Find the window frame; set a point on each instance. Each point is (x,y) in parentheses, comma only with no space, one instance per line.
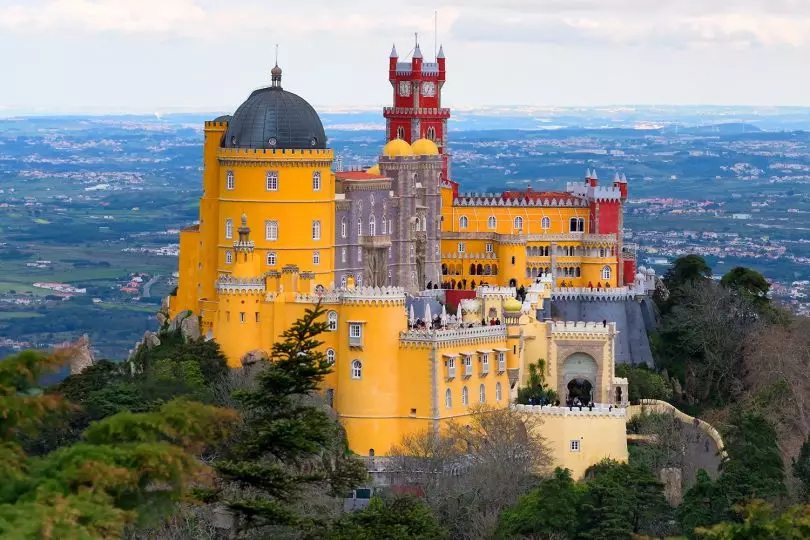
(518,223)
(463,222)
(228,256)
(228,229)
(316,229)
(271,258)
(316,181)
(230,181)
(316,257)
(331,356)
(271,181)
(271,230)
(356,369)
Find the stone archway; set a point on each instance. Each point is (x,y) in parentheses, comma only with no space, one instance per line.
(580,374)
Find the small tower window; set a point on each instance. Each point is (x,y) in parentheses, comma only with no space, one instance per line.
(448,399)
(606,272)
(228,229)
(229,257)
(461,247)
(357,369)
(518,223)
(271,258)
(573,226)
(401,132)
(465,396)
(272,181)
(431,133)
(372,225)
(316,230)
(271,230)
(482,394)
(316,180)
(463,222)
(492,222)
(384,227)
(359,227)
(242,317)
(344,229)
(344,255)
(316,258)
(330,356)
(333,321)
(545,223)
(498,392)
(360,255)
(230,183)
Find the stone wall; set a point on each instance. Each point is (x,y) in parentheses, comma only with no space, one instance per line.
(631,317)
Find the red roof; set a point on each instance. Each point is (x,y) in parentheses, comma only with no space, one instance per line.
(359,175)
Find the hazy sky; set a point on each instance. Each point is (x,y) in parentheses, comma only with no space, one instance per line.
(206,55)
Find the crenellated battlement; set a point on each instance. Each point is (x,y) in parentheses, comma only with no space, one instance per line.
(563,201)
(581,326)
(607,295)
(231,285)
(600,409)
(357,295)
(594,193)
(322,155)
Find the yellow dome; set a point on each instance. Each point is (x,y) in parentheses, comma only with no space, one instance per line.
(397,147)
(512,304)
(374,169)
(425,147)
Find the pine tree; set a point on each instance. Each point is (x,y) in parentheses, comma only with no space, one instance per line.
(287,436)
(801,470)
(703,504)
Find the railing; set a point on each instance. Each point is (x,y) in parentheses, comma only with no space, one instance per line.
(356,341)
(476,332)
(599,409)
(581,326)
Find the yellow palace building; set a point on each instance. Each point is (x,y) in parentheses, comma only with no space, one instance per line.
(388,251)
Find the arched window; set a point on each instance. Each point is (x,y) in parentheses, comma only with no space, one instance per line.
(372,225)
(343,227)
(498,392)
(465,396)
(229,182)
(518,222)
(492,222)
(431,133)
(316,230)
(229,257)
(357,369)
(448,399)
(482,394)
(545,223)
(330,356)
(359,227)
(401,132)
(228,229)
(271,230)
(384,228)
(316,181)
(573,226)
(333,321)
(581,225)
(463,222)
(606,272)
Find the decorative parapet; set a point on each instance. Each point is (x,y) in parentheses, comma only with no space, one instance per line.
(500,292)
(595,193)
(358,295)
(568,327)
(606,295)
(290,269)
(472,199)
(231,285)
(584,238)
(599,409)
(470,256)
(466,336)
(470,305)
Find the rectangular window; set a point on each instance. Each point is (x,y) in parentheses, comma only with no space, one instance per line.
(501,362)
(228,229)
(490,247)
(271,230)
(316,257)
(360,254)
(272,181)
(484,363)
(316,229)
(344,255)
(390,227)
(230,183)
(257,317)
(242,317)
(451,368)
(461,247)
(355,335)
(271,258)
(384,226)
(316,181)
(468,366)
(574,446)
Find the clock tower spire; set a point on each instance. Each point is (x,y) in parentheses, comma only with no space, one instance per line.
(417,112)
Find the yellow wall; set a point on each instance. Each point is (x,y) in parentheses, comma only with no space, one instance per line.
(599,436)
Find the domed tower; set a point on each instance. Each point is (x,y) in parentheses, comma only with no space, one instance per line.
(270,162)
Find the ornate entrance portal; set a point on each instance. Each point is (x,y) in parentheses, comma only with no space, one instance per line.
(579,377)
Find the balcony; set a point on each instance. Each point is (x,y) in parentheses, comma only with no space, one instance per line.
(378,241)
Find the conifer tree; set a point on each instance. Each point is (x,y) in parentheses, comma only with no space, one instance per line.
(801,471)
(288,437)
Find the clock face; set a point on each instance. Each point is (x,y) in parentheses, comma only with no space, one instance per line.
(428,88)
(404,88)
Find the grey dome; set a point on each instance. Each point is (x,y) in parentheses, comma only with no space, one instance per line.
(273,118)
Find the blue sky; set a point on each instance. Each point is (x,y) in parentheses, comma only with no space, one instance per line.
(203,55)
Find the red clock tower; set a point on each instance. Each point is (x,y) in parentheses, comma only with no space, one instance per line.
(417,112)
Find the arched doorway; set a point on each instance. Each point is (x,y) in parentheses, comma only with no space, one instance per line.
(513,283)
(580,372)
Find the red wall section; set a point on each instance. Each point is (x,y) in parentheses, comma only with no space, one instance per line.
(608,217)
(629,271)
(454,297)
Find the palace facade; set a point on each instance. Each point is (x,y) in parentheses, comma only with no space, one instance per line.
(419,280)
